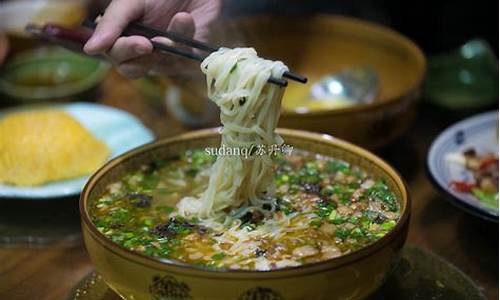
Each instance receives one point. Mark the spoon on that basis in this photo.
(356, 85)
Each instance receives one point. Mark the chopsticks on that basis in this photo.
(135, 28)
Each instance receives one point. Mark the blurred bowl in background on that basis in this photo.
(50, 73)
(16, 14)
(465, 78)
(151, 87)
(319, 45)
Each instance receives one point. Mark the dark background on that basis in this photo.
(436, 26)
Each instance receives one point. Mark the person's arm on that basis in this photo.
(133, 55)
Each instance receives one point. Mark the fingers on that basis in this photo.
(118, 14)
(126, 48)
(205, 14)
(133, 55)
(133, 66)
(183, 23)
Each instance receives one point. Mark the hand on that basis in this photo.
(134, 55)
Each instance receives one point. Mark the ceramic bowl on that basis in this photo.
(135, 276)
(50, 73)
(463, 79)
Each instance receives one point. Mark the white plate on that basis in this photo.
(479, 132)
(118, 129)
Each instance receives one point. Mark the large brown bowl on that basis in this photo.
(319, 45)
(139, 277)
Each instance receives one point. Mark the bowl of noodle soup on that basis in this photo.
(245, 211)
(139, 275)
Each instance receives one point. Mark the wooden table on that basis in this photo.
(50, 271)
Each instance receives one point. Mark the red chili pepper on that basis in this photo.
(485, 164)
(462, 186)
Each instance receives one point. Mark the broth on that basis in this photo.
(322, 208)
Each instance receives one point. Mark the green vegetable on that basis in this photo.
(357, 233)
(150, 182)
(334, 218)
(342, 233)
(285, 205)
(192, 172)
(338, 220)
(337, 166)
(324, 209)
(218, 256)
(388, 225)
(309, 173)
(490, 200)
(282, 179)
(105, 200)
(165, 208)
(248, 226)
(333, 215)
(370, 214)
(316, 223)
(200, 157)
(233, 68)
(380, 191)
(119, 216)
(343, 192)
(354, 220)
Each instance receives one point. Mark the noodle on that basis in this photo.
(237, 83)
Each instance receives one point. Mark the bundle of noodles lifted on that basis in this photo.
(249, 112)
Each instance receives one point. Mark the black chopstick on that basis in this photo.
(190, 55)
(135, 28)
(151, 32)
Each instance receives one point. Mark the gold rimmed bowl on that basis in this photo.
(136, 276)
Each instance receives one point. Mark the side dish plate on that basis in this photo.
(479, 132)
(118, 129)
